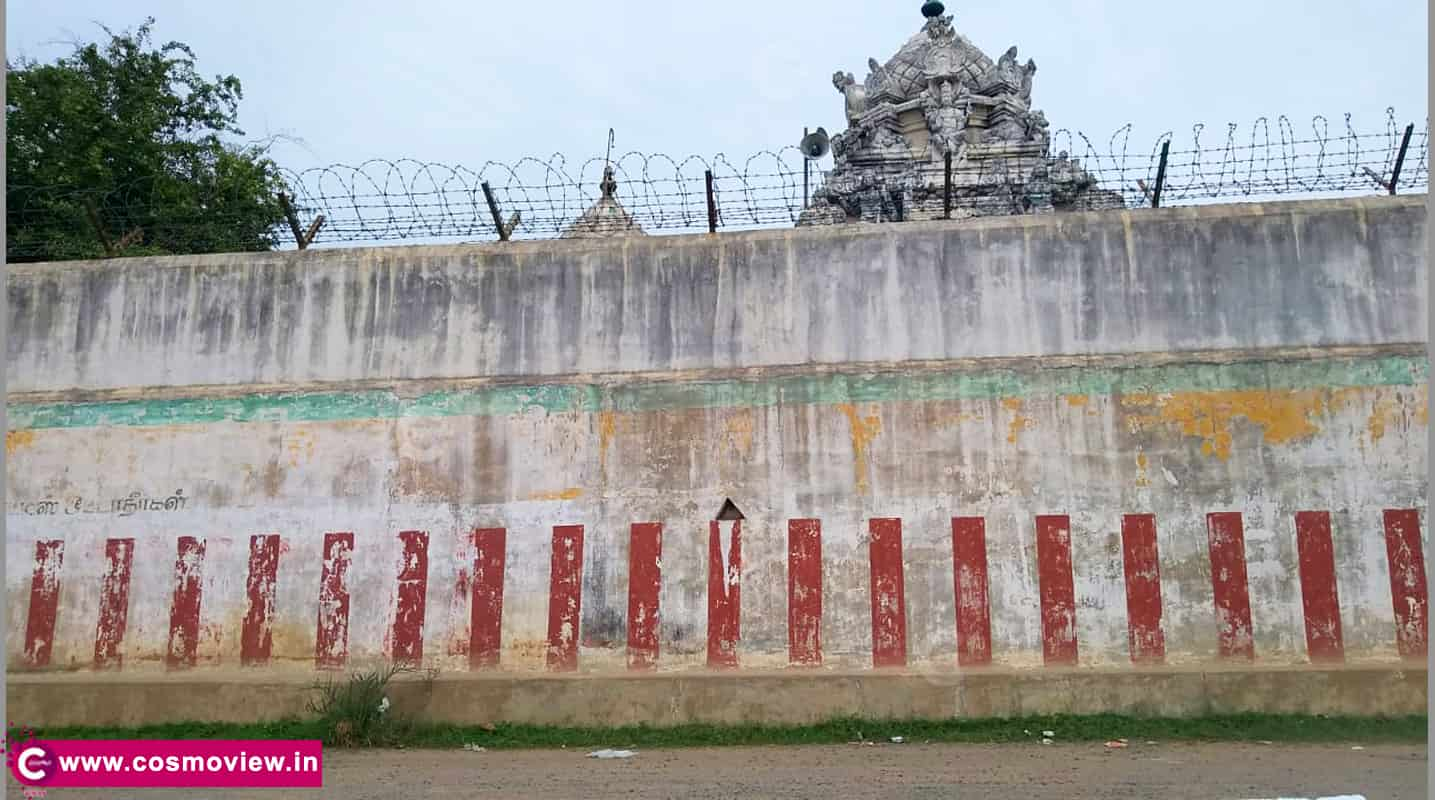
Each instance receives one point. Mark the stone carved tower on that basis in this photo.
(606, 218)
(942, 95)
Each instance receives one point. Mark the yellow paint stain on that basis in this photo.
(863, 431)
(571, 493)
(607, 429)
(299, 443)
(1387, 410)
(1077, 400)
(1283, 416)
(15, 440)
(1141, 464)
(1375, 425)
(1337, 399)
(1019, 421)
(737, 430)
(954, 419)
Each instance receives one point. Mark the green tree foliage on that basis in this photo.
(121, 148)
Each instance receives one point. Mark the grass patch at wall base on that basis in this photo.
(1279, 729)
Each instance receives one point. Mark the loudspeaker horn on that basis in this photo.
(816, 144)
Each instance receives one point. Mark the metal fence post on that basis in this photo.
(1400, 158)
(712, 203)
(806, 165)
(1160, 175)
(504, 231)
(302, 238)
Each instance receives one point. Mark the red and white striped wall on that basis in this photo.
(469, 599)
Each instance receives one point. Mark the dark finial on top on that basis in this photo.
(932, 9)
(608, 185)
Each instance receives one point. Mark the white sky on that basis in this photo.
(464, 82)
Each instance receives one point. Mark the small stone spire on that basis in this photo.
(606, 217)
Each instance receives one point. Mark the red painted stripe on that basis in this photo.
(413, 588)
(724, 596)
(969, 580)
(1316, 551)
(1058, 592)
(1407, 582)
(44, 602)
(331, 642)
(804, 591)
(1226, 536)
(486, 614)
(256, 638)
(114, 603)
(645, 552)
(889, 601)
(1143, 589)
(565, 597)
(184, 610)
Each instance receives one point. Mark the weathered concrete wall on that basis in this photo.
(1213, 277)
(1265, 361)
(790, 697)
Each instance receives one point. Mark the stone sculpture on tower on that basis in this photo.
(941, 96)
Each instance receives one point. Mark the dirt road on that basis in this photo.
(912, 770)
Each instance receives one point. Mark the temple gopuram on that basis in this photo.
(942, 95)
(606, 218)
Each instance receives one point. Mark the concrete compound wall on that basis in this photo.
(1178, 436)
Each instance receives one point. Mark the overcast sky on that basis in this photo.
(460, 81)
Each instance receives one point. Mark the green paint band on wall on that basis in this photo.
(506, 400)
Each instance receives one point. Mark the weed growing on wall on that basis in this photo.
(358, 711)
